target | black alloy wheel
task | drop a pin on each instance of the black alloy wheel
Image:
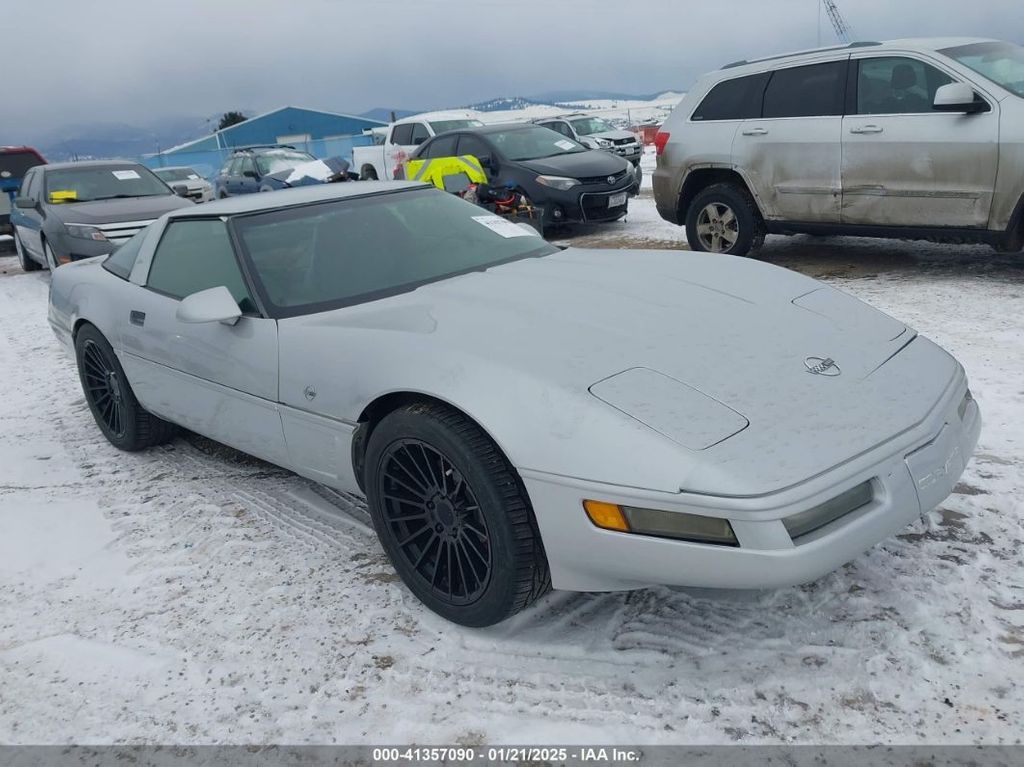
(453, 515)
(123, 421)
(435, 518)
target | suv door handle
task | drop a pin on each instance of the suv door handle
(756, 132)
(867, 129)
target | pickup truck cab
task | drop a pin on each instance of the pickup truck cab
(914, 139)
(383, 159)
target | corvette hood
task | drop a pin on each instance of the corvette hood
(711, 352)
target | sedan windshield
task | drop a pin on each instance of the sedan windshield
(440, 126)
(352, 250)
(278, 160)
(1002, 63)
(102, 182)
(591, 125)
(533, 143)
(177, 174)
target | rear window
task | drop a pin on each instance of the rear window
(738, 99)
(16, 164)
(817, 90)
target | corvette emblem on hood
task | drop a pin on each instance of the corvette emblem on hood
(822, 366)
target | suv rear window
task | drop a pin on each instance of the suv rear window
(737, 99)
(817, 90)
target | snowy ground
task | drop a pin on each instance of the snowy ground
(191, 594)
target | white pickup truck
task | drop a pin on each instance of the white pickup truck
(381, 160)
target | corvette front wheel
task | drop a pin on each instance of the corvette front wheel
(453, 516)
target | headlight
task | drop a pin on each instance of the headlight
(604, 143)
(86, 232)
(661, 524)
(557, 182)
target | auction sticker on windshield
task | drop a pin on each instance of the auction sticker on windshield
(125, 175)
(502, 226)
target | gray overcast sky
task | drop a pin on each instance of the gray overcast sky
(137, 61)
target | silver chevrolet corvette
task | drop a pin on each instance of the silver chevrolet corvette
(517, 415)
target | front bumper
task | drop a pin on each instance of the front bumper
(910, 474)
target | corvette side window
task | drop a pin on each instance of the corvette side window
(195, 255)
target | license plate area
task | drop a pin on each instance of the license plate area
(617, 200)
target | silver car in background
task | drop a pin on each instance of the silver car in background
(521, 416)
(918, 138)
(198, 188)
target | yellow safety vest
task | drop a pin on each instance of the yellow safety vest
(434, 170)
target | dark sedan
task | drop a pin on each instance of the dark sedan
(70, 211)
(569, 182)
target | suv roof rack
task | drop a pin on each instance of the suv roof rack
(261, 146)
(858, 44)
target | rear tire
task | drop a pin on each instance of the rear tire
(724, 219)
(28, 264)
(123, 421)
(453, 516)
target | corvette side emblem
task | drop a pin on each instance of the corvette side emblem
(822, 366)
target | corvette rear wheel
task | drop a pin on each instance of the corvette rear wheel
(453, 516)
(119, 415)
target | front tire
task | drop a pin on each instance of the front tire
(28, 264)
(50, 256)
(123, 421)
(453, 516)
(724, 219)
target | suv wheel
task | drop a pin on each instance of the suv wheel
(724, 219)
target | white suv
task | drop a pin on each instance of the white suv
(917, 139)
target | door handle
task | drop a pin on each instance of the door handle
(756, 132)
(137, 318)
(867, 129)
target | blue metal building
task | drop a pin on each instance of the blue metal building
(322, 134)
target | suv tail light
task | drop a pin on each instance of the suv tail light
(660, 139)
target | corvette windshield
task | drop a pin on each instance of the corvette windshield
(352, 250)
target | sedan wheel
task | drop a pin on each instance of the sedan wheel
(453, 516)
(28, 264)
(119, 415)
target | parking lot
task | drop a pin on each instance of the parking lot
(192, 594)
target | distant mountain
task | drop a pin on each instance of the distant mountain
(119, 140)
(383, 114)
(505, 103)
(570, 96)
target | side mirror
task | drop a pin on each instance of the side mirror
(957, 97)
(249, 174)
(24, 202)
(487, 162)
(212, 305)
(180, 189)
(418, 140)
